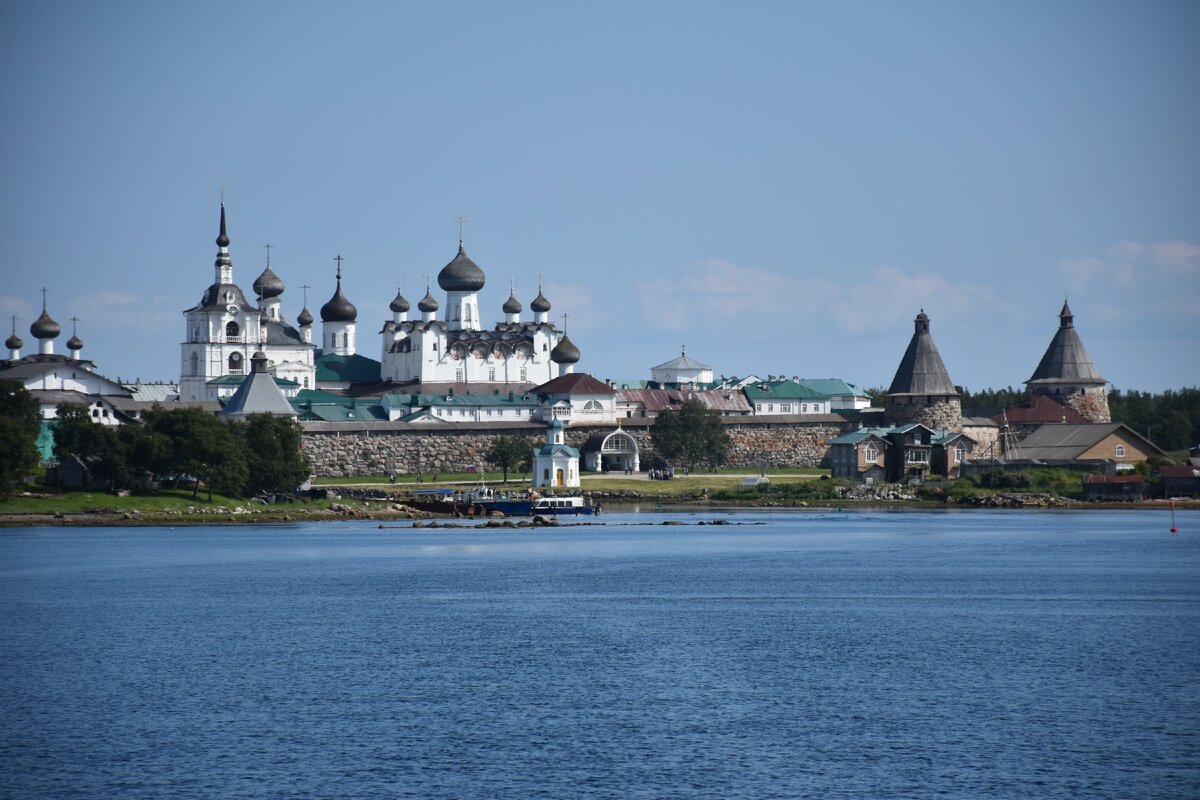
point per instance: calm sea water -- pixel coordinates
(824, 655)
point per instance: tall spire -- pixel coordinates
(224, 264)
(1065, 318)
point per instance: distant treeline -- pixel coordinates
(1170, 419)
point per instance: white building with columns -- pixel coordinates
(225, 328)
(457, 349)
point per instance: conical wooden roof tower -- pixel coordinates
(922, 391)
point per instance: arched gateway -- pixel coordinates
(610, 451)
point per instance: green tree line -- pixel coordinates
(1170, 419)
(237, 459)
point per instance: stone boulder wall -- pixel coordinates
(781, 445)
(1092, 403)
(352, 450)
(351, 453)
(937, 412)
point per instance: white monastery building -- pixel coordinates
(224, 329)
(457, 348)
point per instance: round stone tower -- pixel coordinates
(1067, 373)
(922, 391)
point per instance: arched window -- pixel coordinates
(232, 331)
(593, 405)
(546, 474)
(195, 365)
(235, 363)
(1120, 451)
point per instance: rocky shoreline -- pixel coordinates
(383, 506)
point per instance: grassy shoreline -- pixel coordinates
(91, 510)
(788, 489)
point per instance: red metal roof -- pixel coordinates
(574, 383)
(1179, 472)
(1041, 409)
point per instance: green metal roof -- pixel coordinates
(830, 387)
(320, 396)
(503, 400)
(348, 369)
(236, 380)
(781, 390)
(332, 413)
(313, 404)
(856, 436)
(556, 449)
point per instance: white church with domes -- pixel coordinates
(457, 348)
(224, 329)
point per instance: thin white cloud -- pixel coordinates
(1127, 263)
(723, 291)
(574, 300)
(1180, 257)
(11, 305)
(123, 310)
(891, 296)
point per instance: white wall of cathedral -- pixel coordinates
(339, 338)
(423, 356)
(462, 311)
(304, 374)
(66, 378)
(220, 343)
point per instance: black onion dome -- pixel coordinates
(268, 284)
(428, 303)
(44, 327)
(305, 318)
(461, 275)
(540, 303)
(399, 304)
(512, 305)
(338, 309)
(14, 342)
(565, 352)
(75, 343)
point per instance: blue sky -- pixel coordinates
(779, 186)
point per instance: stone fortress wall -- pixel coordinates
(1091, 402)
(937, 412)
(348, 449)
